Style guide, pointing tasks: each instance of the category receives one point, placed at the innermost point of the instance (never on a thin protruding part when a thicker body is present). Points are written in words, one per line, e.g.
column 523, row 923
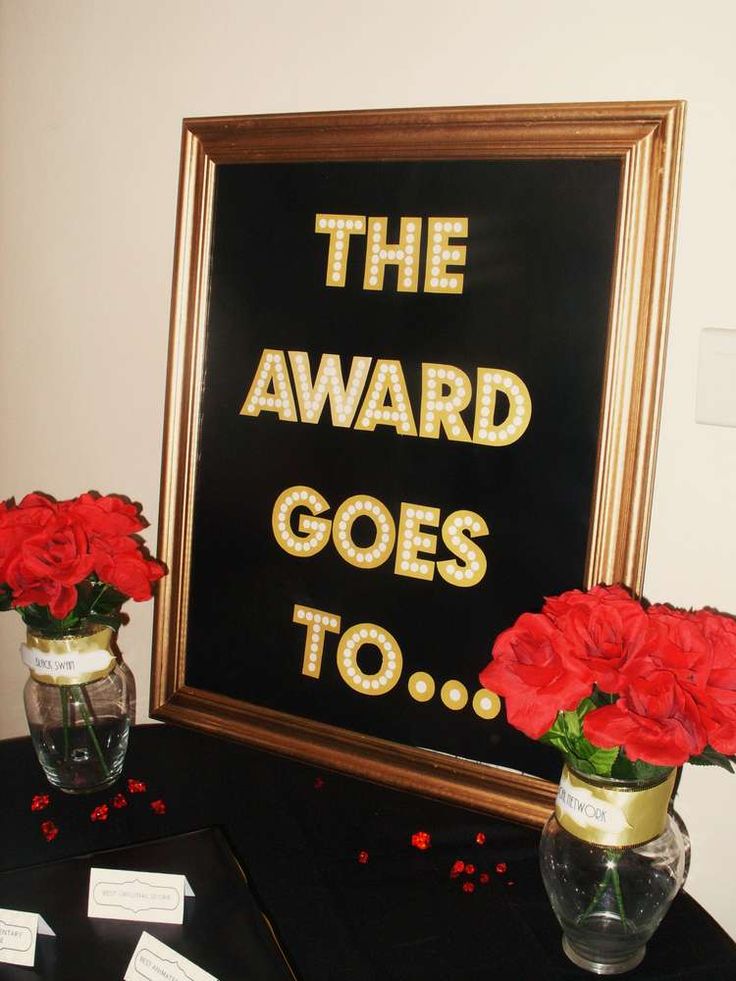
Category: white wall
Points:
column 92, row 95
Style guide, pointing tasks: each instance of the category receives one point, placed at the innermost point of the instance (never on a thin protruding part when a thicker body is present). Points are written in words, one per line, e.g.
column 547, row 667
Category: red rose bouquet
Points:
column 622, row 688
column 65, row 565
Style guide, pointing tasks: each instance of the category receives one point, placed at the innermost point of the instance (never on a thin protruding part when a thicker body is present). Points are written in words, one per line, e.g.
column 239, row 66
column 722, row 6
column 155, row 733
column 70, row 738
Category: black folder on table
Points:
column 225, row 932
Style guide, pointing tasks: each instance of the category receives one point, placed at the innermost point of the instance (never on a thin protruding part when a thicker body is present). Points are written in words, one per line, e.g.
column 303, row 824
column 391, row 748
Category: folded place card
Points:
column 151, row 897
column 18, row 932
column 154, row 961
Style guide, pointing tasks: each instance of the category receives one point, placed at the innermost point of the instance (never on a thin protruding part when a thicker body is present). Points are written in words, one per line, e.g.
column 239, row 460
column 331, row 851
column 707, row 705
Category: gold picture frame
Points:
column 645, row 140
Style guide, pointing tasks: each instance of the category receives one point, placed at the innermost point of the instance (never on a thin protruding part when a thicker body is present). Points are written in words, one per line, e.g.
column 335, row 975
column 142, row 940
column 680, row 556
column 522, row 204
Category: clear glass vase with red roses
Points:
column 628, row 692
column 79, row 723
column 67, row 567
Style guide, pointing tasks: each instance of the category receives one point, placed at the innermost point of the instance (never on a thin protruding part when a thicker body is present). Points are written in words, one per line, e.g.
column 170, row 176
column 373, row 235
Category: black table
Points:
column 331, row 860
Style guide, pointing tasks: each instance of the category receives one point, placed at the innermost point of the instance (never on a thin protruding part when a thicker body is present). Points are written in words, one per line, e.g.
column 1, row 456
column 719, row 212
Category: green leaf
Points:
column 557, row 740
column 638, row 770
column 711, row 757
column 570, row 722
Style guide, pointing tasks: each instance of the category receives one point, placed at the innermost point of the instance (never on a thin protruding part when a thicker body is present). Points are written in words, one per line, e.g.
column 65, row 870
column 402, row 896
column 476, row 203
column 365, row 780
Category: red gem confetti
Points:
column 40, row 801
column 469, row 869
column 457, row 868
column 158, row 807
column 484, row 878
column 363, row 857
column 119, row 800
column 137, row 786
column 468, row 887
column 421, row 840
column 100, row 813
column 319, row 783
column 501, row 868
column 49, row 830
column 480, row 838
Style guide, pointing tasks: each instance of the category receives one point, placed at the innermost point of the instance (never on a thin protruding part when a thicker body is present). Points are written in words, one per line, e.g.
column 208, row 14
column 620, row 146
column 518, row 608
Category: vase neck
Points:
column 612, row 813
column 71, row 659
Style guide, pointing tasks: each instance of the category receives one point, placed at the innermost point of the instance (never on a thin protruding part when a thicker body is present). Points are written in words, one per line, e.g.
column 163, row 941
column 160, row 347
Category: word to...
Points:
column 387, row 674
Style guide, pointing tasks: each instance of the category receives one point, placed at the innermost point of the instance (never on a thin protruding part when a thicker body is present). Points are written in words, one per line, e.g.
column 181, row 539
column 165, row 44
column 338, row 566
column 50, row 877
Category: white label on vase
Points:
column 70, row 665
column 152, row 960
column 18, row 932
column 151, row 897
column 587, row 810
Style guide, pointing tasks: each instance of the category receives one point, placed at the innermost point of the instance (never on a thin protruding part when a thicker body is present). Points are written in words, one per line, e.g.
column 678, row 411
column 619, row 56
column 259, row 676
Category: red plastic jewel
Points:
column 40, row 801
column 468, row 887
column 49, row 830
column 469, row 869
column 363, row 857
column 457, row 868
column 421, row 840
column 480, row 838
column 158, row 807
column 501, row 868
column 100, row 813
column 484, row 878
column 136, row 786
column 119, row 800
column 319, row 783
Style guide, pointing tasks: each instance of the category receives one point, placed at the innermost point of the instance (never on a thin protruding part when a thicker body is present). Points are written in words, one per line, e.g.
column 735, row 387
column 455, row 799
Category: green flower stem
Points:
column 612, row 877
column 81, row 695
column 97, row 598
column 619, row 895
column 65, row 720
column 598, row 895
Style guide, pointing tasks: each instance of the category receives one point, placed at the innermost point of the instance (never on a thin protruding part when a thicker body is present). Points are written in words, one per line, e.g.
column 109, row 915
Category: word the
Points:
column 443, row 256
column 313, row 533
column 503, row 406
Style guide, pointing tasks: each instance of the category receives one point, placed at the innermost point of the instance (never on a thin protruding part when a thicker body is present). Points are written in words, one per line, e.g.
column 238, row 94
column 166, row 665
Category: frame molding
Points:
column 646, row 138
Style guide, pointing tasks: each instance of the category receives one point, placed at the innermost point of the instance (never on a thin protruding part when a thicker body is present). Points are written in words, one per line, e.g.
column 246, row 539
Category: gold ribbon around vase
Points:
column 75, row 659
column 615, row 815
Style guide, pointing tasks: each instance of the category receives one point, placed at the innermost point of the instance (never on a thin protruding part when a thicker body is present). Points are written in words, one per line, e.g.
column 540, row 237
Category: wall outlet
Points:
column 715, row 404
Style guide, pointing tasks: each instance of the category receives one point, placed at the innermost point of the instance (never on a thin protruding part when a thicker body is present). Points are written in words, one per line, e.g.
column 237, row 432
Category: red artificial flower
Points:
column 604, row 626
column 678, row 644
column 656, row 720
column 47, row 548
column 43, row 555
column 716, row 699
column 536, row 671
column 18, row 521
column 121, row 562
column 108, row 517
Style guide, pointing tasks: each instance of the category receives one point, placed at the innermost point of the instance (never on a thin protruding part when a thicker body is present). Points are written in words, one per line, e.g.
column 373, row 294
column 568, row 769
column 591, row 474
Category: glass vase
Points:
column 613, row 857
column 77, row 702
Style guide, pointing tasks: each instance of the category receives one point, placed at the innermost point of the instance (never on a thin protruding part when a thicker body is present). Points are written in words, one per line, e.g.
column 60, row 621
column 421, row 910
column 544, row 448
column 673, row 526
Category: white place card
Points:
column 18, row 932
column 154, row 961
column 151, row 897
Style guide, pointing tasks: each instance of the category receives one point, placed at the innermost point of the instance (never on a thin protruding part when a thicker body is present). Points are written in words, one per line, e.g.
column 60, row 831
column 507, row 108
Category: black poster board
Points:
column 414, row 377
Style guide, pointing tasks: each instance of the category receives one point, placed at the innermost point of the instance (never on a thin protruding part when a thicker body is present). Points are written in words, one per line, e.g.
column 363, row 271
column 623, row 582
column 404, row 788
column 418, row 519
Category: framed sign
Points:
column 414, row 385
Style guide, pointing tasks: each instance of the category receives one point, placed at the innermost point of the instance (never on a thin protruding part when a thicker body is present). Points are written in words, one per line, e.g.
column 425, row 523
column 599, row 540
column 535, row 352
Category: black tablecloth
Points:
column 331, row 860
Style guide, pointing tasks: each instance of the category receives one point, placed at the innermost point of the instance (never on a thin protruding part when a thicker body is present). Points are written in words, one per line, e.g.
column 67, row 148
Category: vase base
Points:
column 75, row 791
column 603, row 967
